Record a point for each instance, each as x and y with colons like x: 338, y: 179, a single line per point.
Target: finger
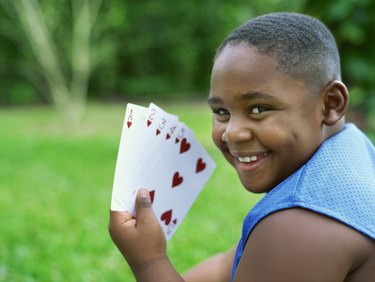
x: 120, y: 216
x: 118, y: 219
x: 143, y: 206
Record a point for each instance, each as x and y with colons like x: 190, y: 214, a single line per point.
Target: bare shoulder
x: 301, y: 245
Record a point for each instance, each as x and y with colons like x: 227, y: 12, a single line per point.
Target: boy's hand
x: 140, y: 240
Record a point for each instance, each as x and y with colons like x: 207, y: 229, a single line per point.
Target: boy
x: 278, y: 108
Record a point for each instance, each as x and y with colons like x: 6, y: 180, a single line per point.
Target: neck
x: 329, y: 131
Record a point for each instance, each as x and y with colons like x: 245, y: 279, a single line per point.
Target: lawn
x: 56, y: 182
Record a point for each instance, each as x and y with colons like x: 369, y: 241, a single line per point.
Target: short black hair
x: 303, y: 46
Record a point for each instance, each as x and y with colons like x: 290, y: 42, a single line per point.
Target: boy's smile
x: 272, y: 124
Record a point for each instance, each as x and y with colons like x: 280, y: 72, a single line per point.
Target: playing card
x: 144, y: 130
x: 160, y: 131
x: 156, y: 134
x: 176, y: 179
x: 161, y: 154
x: 135, y: 117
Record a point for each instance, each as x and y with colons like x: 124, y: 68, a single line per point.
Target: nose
x: 237, y: 131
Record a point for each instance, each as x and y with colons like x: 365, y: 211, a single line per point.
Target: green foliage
x: 164, y: 49
x: 352, y: 23
x: 138, y: 48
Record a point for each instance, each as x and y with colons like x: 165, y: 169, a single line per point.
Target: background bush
x: 164, y: 48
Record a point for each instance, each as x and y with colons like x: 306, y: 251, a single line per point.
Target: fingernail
x: 143, y: 193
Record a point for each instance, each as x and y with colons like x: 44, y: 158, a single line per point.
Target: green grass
x: 55, y: 190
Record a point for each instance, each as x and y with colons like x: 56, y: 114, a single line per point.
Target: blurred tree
x: 37, y: 20
x: 144, y: 48
x: 153, y: 49
x: 167, y: 47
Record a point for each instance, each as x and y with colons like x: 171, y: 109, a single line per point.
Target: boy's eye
x: 258, y: 110
x: 220, y: 112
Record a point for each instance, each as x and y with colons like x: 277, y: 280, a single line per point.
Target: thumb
x: 143, y: 206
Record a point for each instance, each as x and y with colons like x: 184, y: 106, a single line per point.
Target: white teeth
x: 247, y: 159
x: 251, y: 158
x: 244, y: 160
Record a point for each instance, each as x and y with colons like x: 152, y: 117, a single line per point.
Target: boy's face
x: 272, y: 124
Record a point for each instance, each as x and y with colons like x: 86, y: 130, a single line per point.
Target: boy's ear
x: 336, y: 101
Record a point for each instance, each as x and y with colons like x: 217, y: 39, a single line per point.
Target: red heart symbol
x: 175, y: 221
x: 129, y: 123
x: 148, y: 123
x: 177, y: 179
x: 168, y: 136
x: 166, y: 217
x: 152, y: 195
x: 177, y: 140
x: 185, y: 146
x: 157, y: 131
x: 201, y: 165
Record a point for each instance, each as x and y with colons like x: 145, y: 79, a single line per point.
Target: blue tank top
x: 338, y: 181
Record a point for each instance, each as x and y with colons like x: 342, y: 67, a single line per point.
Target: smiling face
x: 271, y: 123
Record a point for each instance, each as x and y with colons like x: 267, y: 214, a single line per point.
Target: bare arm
x: 300, y: 245
x: 215, y: 269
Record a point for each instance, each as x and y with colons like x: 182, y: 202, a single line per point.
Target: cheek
x: 216, y: 137
x: 278, y: 139
x: 216, y: 133
x: 293, y: 147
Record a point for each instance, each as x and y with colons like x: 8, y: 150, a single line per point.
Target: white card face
x: 156, y: 134
x: 177, y: 178
x: 135, y: 117
x: 172, y: 136
x: 163, y: 156
x: 161, y: 131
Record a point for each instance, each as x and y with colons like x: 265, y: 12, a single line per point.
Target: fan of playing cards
x: 161, y: 154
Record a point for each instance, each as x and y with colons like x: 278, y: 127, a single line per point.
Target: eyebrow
x: 257, y: 95
x: 214, y: 100
x: 247, y: 96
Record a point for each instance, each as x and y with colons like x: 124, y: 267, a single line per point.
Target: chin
x: 254, y: 187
